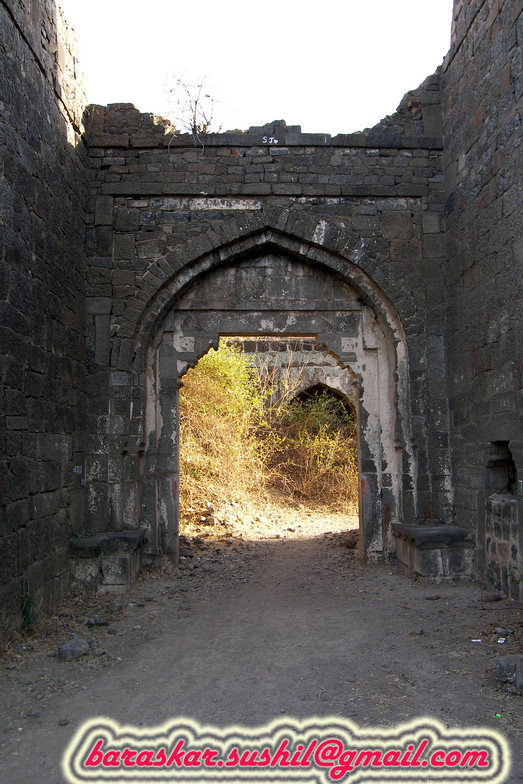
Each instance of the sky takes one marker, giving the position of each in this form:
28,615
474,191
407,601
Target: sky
337,66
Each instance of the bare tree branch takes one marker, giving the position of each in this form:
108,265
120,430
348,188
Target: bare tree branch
194,108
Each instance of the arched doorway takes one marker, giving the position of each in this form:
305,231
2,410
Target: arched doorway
268,288
259,454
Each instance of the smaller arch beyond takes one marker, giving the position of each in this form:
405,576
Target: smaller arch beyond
314,391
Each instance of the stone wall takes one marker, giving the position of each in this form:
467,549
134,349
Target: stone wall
503,544
42,268
482,84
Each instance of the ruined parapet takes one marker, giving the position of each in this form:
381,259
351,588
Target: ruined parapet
418,115
415,125
122,125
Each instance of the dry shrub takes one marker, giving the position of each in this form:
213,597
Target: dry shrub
218,455
315,456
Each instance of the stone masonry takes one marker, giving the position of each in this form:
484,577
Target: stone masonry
482,82
275,210
128,249
42,291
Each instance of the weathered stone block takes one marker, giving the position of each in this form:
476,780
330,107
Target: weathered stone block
406,251
104,211
117,571
73,649
98,305
149,249
443,552
124,247
127,220
103,241
431,222
397,225
510,672
109,140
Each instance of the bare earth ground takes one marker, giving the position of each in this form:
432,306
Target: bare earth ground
260,627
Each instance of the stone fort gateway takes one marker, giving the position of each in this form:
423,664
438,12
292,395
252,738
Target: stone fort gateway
127,250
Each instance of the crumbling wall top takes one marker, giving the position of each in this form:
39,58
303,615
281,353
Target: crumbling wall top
416,124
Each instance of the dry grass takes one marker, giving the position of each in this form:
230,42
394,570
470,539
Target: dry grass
314,460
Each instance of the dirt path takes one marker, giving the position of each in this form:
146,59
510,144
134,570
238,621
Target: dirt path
258,629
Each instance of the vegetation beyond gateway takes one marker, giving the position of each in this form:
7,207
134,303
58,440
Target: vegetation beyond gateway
246,437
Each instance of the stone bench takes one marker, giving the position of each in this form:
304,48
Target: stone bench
111,561
440,551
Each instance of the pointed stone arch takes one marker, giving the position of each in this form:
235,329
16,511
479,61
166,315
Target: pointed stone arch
339,250
210,296
305,392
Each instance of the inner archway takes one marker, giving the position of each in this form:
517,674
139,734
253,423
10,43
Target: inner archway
271,291
260,458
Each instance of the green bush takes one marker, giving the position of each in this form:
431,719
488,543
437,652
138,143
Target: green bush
217,450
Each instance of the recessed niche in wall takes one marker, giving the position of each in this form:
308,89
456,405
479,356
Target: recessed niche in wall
501,474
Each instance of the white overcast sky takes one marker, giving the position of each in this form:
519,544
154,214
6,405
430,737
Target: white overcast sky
335,66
